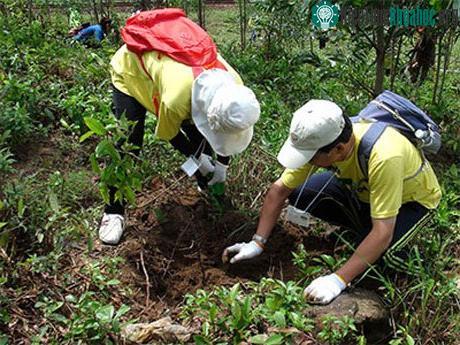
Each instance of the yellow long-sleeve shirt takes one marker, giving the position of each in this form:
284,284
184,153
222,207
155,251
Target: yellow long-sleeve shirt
162,85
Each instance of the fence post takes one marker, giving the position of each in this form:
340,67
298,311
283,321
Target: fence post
243,22
201,14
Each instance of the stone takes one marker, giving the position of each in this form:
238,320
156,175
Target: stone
362,305
163,330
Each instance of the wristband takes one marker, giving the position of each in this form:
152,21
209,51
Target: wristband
258,244
259,238
341,279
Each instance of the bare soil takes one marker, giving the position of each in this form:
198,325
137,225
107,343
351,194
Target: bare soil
173,246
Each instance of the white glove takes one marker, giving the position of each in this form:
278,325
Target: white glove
220,173
206,165
324,289
243,251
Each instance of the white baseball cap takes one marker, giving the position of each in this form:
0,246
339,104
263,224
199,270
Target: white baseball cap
224,111
317,124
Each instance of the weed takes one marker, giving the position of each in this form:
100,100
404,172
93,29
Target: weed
337,330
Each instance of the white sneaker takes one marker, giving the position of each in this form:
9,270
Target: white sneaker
112,226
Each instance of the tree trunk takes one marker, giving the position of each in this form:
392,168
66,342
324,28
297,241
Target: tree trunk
438,69
394,67
380,60
242,6
30,11
448,50
95,11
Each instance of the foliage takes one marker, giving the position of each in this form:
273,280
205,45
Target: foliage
279,24
120,170
91,321
235,315
337,330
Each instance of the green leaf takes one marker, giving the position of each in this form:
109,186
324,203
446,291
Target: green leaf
104,190
106,148
130,195
56,307
40,237
21,207
95,125
71,299
273,303
410,340
94,165
86,136
236,312
113,282
275,340
234,291
329,260
122,311
3,339
2,224
105,313
258,339
200,340
280,319
53,200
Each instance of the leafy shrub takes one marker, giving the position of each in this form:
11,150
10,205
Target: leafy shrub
235,315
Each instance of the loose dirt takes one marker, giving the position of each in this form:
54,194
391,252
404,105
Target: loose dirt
173,246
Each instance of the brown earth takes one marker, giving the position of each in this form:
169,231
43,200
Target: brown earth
173,246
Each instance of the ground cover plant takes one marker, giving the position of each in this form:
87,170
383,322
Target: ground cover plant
59,285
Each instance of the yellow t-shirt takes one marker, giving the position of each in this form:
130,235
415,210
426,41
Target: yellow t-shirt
164,91
392,164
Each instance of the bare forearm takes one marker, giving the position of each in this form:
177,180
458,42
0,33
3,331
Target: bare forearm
370,249
271,210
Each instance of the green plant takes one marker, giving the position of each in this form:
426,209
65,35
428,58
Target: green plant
115,151
233,315
100,273
336,330
90,321
6,161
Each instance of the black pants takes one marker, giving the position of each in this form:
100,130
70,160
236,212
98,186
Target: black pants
337,205
187,141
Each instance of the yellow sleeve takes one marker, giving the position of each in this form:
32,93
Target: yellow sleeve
230,70
168,124
175,90
386,179
293,178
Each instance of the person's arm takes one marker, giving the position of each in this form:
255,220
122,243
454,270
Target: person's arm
369,250
385,185
324,289
271,209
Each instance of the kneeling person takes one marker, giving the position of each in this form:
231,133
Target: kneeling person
383,206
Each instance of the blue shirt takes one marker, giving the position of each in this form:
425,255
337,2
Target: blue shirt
93,30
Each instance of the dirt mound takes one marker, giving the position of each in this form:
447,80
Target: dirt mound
174,242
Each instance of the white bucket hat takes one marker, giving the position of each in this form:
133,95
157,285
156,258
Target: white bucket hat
224,112
317,124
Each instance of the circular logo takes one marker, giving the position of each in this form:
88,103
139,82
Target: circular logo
325,15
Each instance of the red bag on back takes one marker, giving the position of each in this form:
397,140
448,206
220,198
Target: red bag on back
172,33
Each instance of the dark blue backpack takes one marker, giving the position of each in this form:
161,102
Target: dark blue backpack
390,109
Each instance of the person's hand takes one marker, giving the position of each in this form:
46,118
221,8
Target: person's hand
220,173
206,166
324,289
242,251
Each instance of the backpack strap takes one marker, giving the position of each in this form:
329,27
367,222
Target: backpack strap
367,143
